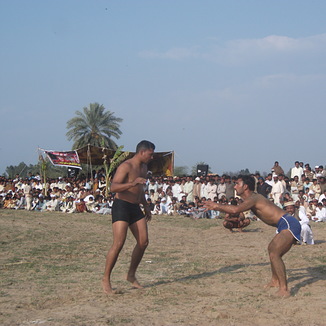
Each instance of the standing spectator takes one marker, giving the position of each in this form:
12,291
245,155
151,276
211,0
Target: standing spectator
229,187
221,188
203,190
188,189
296,170
176,189
309,173
277,169
277,191
197,188
269,179
28,194
263,187
211,190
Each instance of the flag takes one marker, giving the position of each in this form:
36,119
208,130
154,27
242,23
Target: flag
68,159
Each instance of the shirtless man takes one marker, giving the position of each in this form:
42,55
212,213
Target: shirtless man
128,184
288,227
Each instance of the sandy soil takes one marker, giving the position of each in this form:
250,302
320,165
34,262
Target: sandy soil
195,273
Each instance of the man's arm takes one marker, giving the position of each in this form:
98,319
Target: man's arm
231,209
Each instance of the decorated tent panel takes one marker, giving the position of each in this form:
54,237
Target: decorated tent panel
161,165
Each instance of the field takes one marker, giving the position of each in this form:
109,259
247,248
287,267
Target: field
195,272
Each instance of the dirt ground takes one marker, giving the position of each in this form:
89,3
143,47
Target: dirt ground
195,272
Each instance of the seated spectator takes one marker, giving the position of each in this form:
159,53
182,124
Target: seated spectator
89,202
183,207
194,212
40,204
311,210
172,207
294,210
80,206
320,213
164,208
20,201
53,204
157,208
315,187
69,206
235,221
150,204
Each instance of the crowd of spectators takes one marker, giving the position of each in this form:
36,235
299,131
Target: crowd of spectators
186,196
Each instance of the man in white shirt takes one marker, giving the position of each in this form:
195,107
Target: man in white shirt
320,213
296,170
277,191
27,189
221,189
203,190
176,189
269,179
211,190
188,189
152,185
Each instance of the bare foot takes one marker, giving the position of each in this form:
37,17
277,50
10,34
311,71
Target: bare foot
134,282
107,289
283,293
272,284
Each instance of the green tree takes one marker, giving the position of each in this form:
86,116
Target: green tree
180,171
244,171
21,169
94,126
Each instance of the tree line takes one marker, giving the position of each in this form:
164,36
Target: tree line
92,125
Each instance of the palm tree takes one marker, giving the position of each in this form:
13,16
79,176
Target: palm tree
95,127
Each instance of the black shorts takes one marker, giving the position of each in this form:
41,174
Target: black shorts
125,211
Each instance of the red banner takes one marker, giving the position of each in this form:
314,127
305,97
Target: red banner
68,159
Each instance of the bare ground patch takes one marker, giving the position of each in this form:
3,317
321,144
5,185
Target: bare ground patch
195,273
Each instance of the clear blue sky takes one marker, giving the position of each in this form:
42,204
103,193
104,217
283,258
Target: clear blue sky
236,84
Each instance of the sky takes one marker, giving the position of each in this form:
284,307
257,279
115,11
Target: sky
236,84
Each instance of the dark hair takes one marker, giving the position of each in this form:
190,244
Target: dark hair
144,145
248,180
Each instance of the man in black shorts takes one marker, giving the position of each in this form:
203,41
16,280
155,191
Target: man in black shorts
128,184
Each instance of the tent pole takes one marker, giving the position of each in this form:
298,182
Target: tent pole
89,157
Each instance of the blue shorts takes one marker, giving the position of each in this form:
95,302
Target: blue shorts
288,222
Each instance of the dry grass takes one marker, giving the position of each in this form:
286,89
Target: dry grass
194,272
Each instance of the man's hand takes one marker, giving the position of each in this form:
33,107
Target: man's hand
210,206
148,214
139,180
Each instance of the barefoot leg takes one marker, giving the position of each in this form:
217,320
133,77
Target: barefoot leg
280,245
139,230
120,229
273,283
